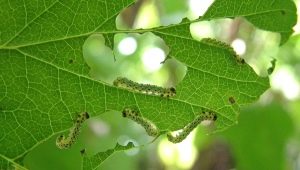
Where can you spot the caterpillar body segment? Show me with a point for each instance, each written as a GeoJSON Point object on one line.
{"type": "Point", "coordinates": [63, 142]}
{"type": "Point", "coordinates": [149, 89]}
{"type": "Point", "coordinates": [191, 126]}
{"type": "Point", "coordinates": [134, 115]}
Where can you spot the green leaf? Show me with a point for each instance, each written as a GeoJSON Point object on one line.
{"type": "Point", "coordinates": [44, 81]}
{"type": "Point", "coordinates": [264, 149]}
{"type": "Point", "coordinates": [271, 15]}
{"type": "Point", "coordinates": [94, 161]}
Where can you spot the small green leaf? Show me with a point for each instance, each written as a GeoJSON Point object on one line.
{"type": "Point", "coordinates": [266, 148]}
{"type": "Point", "coordinates": [94, 161]}
{"type": "Point", "coordinates": [271, 15]}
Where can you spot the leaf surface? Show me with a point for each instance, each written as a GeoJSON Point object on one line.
{"type": "Point", "coordinates": [44, 81]}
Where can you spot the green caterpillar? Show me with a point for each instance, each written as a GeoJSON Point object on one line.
{"type": "Point", "coordinates": [191, 126]}
{"type": "Point", "coordinates": [134, 115]}
{"type": "Point", "coordinates": [144, 88]}
{"type": "Point", "coordinates": [220, 44]}
{"type": "Point", "coordinates": [65, 143]}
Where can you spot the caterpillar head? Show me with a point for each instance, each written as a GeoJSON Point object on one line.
{"type": "Point", "coordinates": [209, 115]}
{"type": "Point", "coordinates": [129, 112]}
{"type": "Point", "coordinates": [169, 92]}
{"type": "Point", "coordinates": [118, 81]}
{"type": "Point", "coordinates": [239, 59]}
{"type": "Point", "coordinates": [86, 115]}
{"type": "Point", "coordinates": [60, 138]}
{"type": "Point", "coordinates": [173, 90]}
{"type": "Point", "coordinates": [124, 113]}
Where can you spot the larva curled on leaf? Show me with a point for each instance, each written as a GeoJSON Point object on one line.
{"type": "Point", "coordinates": [64, 143]}
{"type": "Point", "coordinates": [134, 115]}
{"type": "Point", "coordinates": [205, 115]}
{"type": "Point", "coordinates": [149, 89]}
{"type": "Point", "coordinates": [221, 44]}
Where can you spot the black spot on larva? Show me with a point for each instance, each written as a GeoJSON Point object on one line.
{"type": "Point", "coordinates": [282, 12]}
{"type": "Point", "coordinates": [173, 90]}
{"type": "Point", "coordinates": [215, 117]}
{"type": "Point", "coordinates": [242, 61]}
{"type": "Point", "coordinates": [71, 61]}
{"type": "Point", "coordinates": [124, 113]}
{"type": "Point", "coordinates": [87, 115]}
{"type": "Point", "coordinates": [231, 100]}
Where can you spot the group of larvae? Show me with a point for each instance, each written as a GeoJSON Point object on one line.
{"type": "Point", "coordinates": [152, 130]}
{"type": "Point", "coordinates": [63, 142]}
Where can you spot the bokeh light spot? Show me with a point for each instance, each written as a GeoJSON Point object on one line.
{"type": "Point", "coordinates": [284, 81]}
{"type": "Point", "coordinates": [152, 58]}
{"type": "Point", "coordinates": [127, 46]}
{"type": "Point", "coordinates": [239, 46]}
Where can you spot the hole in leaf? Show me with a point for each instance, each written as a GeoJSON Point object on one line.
{"type": "Point", "coordinates": [138, 57]}
{"type": "Point", "coordinates": [98, 57]}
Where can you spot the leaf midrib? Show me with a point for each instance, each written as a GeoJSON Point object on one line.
{"type": "Point", "coordinates": [4, 46]}
{"type": "Point", "coordinates": [13, 162]}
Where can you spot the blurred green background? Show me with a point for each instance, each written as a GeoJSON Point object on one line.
{"type": "Point", "coordinates": [266, 137]}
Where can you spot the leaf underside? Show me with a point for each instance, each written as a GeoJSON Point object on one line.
{"type": "Point", "coordinates": [41, 92]}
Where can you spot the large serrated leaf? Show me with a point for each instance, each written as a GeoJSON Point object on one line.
{"type": "Point", "coordinates": [41, 91]}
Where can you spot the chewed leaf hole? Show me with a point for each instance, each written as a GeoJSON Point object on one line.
{"type": "Point", "coordinates": [98, 57]}
{"type": "Point", "coordinates": [142, 58]}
